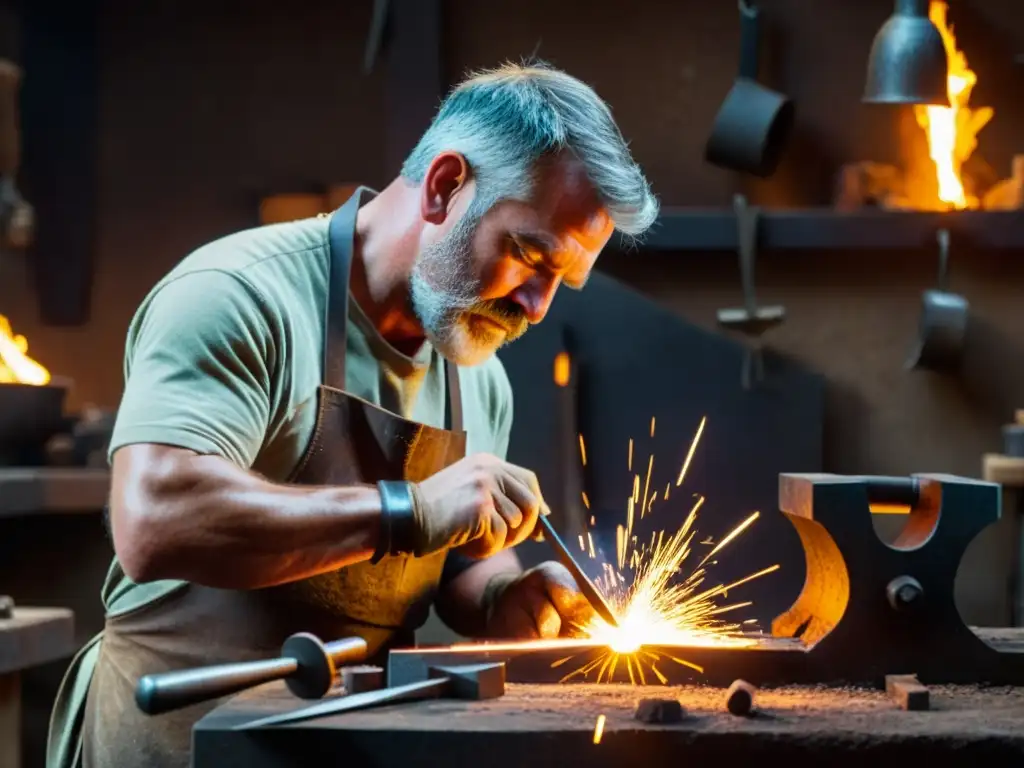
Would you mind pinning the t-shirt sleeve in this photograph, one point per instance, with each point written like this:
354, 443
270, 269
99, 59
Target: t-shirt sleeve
198, 369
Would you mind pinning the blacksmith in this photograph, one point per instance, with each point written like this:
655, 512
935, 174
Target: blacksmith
314, 422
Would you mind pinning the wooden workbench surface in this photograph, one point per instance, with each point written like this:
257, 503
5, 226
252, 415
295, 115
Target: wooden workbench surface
553, 725
837, 713
36, 636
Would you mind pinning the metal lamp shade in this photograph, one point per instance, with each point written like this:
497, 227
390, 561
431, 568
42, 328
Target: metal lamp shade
908, 63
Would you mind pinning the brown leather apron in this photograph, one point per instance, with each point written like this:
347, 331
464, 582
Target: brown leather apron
354, 442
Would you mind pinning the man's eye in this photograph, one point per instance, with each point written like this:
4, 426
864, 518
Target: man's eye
525, 255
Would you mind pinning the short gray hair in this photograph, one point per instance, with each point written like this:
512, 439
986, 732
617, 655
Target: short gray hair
505, 120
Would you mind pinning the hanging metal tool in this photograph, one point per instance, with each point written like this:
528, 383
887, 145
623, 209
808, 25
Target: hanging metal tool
375, 38
587, 588
908, 62
754, 123
750, 320
942, 332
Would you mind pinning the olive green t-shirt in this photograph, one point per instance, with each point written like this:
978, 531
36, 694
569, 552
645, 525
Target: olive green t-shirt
225, 355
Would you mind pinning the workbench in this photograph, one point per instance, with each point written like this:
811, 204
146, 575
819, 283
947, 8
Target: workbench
554, 725
31, 637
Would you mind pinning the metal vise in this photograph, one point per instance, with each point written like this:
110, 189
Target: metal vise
870, 609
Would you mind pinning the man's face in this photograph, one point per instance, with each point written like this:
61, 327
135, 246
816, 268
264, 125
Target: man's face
495, 272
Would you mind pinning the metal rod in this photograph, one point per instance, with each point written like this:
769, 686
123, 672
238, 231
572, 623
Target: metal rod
894, 491
586, 586
426, 689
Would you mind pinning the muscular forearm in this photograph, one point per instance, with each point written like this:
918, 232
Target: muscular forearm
462, 602
178, 515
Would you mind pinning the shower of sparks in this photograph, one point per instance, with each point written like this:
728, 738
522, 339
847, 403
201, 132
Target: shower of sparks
660, 592
655, 607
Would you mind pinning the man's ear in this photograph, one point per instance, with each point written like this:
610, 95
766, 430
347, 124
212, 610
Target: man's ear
445, 178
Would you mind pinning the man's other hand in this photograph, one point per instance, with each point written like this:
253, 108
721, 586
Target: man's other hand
543, 602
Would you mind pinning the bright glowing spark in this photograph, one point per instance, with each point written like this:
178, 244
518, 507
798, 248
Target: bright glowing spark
599, 729
586, 499
693, 450
583, 451
647, 484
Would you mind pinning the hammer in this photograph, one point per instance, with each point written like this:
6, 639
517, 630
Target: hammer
307, 665
473, 682
751, 320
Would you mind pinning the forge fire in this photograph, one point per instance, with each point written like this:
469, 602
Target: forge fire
943, 168
16, 367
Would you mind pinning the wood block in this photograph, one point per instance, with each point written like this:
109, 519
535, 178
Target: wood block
907, 692
474, 681
278, 209
362, 678
739, 699
1005, 470
35, 636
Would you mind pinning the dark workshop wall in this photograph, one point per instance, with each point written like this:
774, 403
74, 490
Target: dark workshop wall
203, 109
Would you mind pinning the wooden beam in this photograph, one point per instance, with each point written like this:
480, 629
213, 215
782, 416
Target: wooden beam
59, 166
1005, 470
415, 78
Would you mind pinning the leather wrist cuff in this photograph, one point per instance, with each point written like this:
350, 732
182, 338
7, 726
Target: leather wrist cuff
398, 519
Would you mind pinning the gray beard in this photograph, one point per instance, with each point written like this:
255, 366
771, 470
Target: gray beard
442, 286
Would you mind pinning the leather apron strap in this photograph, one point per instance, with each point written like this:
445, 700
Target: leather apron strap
341, 231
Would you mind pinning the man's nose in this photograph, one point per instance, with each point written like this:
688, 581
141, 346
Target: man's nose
535, 296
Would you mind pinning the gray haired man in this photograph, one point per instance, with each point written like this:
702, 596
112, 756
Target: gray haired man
314, 422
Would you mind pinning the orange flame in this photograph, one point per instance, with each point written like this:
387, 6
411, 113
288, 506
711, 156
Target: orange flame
953, 130
16, 367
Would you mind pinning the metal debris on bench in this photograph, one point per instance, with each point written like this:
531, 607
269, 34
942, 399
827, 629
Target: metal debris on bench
659, 711
907, 692
739, 699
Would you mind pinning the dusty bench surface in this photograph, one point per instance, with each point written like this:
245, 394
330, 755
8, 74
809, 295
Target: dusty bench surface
35, 636
541, 725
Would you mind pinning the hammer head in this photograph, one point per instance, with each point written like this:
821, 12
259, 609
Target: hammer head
752, 323
473, 681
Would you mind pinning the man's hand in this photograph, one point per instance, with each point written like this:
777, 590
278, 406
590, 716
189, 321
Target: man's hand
543, 602
480, 504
